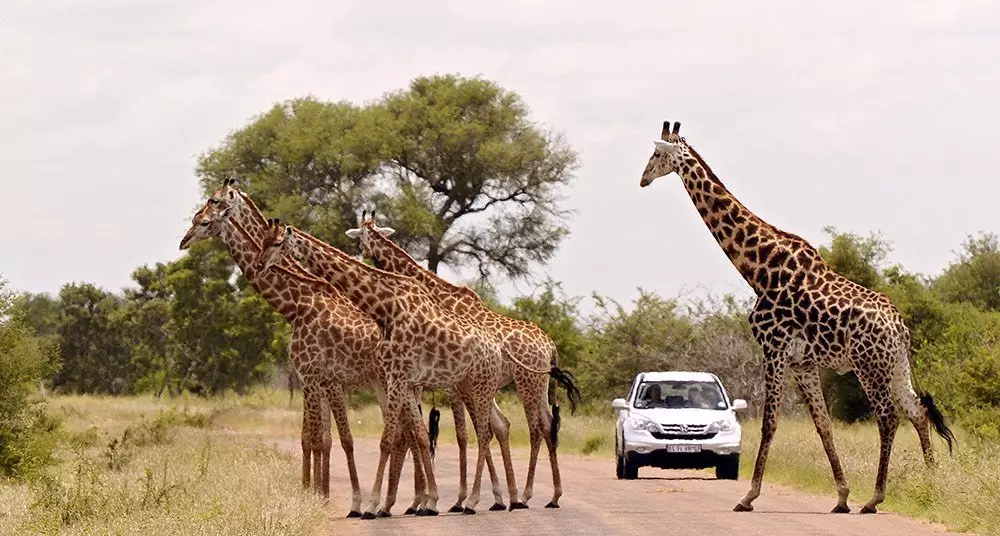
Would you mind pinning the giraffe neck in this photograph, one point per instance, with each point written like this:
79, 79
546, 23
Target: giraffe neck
370, 289
755, 247
280, 286
251, 218
390, 257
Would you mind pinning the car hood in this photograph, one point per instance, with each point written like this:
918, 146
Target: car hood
683, 416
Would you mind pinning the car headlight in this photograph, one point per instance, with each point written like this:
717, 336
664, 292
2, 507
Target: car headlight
642, 423
720, 426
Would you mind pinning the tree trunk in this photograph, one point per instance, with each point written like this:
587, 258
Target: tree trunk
433, 257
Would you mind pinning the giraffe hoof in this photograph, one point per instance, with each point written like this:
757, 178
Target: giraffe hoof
383, 513
430, 513
353, 514
518, 506
841, 509
740, 507
420, 512
869, 510
367, 515
455, 509
410, 511
468, 512
498, 507
552, 504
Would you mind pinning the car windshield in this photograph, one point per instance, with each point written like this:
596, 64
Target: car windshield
680, 394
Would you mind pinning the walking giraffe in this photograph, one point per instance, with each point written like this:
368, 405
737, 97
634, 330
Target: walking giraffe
245, 213
530, 355
425, 346
806, 316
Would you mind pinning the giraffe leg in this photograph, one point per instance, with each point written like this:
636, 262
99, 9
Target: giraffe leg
326, 446
462, 437
396, 461
501, 429
807, 378
419, 431
419, 484
916, 413
888, 422
536, 430
551, 446
491, 467
339, 409
774, 383
310, 428
484, 435
394, 406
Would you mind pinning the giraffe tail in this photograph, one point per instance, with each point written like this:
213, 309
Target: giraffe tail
434, 428
568, 382
937, 419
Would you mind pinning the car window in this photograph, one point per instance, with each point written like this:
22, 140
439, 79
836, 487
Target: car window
680, 394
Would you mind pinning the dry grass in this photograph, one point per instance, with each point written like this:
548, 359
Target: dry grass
140, 466
963, 492
196, 466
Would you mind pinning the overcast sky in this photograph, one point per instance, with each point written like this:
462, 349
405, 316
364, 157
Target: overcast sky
862, 115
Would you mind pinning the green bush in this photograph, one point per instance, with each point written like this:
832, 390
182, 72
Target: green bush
27, 433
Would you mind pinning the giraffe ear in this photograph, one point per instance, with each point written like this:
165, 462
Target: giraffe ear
288, 231
385, 231
353, 234
665, 147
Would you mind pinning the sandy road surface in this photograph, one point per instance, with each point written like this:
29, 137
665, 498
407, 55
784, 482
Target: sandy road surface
594, 502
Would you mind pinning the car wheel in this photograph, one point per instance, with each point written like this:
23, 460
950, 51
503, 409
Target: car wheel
728, 467
619, 463
631, 468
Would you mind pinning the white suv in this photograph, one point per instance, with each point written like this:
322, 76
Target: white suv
677, 420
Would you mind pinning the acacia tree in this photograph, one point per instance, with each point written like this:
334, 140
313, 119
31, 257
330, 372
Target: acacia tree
455, 165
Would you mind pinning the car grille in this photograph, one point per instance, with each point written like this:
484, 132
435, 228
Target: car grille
684, 431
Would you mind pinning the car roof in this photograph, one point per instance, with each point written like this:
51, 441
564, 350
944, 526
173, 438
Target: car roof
678, 375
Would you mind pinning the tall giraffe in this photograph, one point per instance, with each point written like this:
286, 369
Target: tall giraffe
332, 349
530, 355
806, 316
425, 346
245, 212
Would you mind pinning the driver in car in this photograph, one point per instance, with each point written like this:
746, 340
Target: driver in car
655, 397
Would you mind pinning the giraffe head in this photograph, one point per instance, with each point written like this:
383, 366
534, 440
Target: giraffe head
279, 241
668, 152
365, 234
206, 223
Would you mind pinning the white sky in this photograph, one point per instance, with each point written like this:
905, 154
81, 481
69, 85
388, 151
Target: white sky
867, 116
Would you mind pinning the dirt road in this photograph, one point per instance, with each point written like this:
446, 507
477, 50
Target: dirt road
594, 502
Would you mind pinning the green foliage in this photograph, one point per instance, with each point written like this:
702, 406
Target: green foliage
456, 165
856, 258
975, 277
557, 315
208, 334
27, 433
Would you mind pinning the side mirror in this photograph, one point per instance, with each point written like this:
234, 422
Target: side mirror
739, 404
619, 404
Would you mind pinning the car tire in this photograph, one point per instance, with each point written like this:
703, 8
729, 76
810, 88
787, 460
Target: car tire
728, 467
619, 462
631, 469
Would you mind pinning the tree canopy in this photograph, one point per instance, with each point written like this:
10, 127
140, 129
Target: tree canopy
454, 164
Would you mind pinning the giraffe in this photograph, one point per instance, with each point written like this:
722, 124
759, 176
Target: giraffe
332, 349
249, 217
806, 316
425, 346
522, 342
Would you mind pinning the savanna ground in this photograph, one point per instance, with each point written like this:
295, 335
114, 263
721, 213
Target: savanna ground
194, 466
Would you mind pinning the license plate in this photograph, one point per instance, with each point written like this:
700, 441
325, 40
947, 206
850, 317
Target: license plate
683, 448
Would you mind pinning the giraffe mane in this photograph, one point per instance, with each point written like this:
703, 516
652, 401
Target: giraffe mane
770, 227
